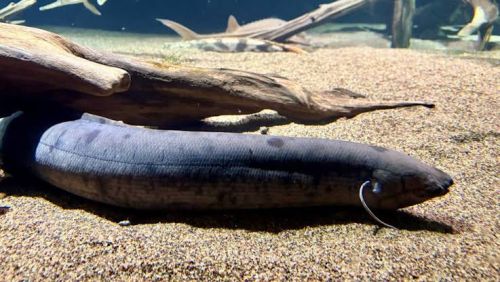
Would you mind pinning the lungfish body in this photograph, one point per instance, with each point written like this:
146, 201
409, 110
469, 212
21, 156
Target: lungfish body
152, 169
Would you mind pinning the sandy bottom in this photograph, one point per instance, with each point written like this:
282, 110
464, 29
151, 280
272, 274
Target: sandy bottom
50, 234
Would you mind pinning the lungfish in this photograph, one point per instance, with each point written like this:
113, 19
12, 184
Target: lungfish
144, 168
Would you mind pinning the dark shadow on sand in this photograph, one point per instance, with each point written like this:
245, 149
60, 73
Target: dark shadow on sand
266, 220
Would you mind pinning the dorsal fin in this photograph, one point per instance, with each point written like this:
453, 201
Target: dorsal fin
232, 24
183, 31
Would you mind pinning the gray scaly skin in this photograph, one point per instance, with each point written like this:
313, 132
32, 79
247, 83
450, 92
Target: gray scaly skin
143, 168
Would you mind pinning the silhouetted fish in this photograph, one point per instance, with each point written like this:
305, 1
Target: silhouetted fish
233, 45
234, 29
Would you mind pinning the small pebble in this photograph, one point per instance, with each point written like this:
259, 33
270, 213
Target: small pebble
124, 223
4, 209
264, 130
2, 195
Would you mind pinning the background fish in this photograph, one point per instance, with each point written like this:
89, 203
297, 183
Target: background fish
233, 45
485, 12
86, 3
234, 29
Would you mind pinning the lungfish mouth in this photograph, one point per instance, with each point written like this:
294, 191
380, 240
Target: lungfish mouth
440, 189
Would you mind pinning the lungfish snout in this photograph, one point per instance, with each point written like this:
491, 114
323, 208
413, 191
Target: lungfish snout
439, 190
442, 185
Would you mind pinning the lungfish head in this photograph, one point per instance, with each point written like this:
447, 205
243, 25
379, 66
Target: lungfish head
399, 180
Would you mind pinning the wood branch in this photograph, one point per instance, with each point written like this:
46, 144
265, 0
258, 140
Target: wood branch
275, 29
14, 8
39, 69
325, 13
402, 24
45, 57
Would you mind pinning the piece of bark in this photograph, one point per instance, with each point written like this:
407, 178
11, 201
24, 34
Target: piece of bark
325, 13
13, 8
275, 29
39, 69
32, 58
402, 24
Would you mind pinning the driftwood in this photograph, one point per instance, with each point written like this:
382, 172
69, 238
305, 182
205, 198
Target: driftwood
274, 29
402, 23
14, 8
61, 3
41, 70
325, 13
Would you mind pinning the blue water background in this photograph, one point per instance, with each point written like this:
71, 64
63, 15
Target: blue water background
200, 15
211, 15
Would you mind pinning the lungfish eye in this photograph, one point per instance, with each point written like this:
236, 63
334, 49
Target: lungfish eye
383, 179
377, 188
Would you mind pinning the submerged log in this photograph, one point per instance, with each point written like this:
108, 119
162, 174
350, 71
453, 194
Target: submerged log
15, 8
402, 23
274, 29
42, 70
325, 13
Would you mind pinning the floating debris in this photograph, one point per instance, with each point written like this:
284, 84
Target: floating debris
61, 3
14, 8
